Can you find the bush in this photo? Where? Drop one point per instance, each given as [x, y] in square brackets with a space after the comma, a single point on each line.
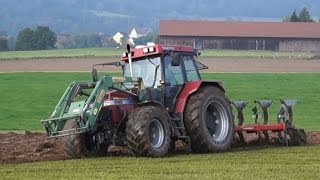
[4, 43]
[40, 39]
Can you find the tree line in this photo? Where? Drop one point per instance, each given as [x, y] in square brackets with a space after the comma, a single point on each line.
[303, 16]
[43, 38]
[88, 40]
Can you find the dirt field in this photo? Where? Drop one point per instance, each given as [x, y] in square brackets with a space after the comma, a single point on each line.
[30, 147]
[214, 64]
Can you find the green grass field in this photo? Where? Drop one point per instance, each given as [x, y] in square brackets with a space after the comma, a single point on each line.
[29, 97]
[264, 163]
[62, 53]
[113, 52]
[257, 54]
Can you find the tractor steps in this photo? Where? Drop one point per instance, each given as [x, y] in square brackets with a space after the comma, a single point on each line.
[178, 127]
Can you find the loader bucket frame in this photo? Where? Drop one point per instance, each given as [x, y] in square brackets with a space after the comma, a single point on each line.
[86, 112]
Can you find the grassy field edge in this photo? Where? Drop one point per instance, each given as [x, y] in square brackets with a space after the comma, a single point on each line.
[254, 163]
[116, 53]
[29, 97]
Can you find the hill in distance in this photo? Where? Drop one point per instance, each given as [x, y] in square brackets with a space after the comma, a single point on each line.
[110, 16]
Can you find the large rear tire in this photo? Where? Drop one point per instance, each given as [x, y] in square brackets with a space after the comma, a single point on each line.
[209, 121]
[82, 145]
[148, 132]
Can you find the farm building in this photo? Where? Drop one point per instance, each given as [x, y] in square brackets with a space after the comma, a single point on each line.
[276, 36]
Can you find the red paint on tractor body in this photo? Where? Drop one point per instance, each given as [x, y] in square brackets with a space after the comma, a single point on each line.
[117, 111]
[188, 89]
[158, 49]
[255, 128]
[113, 94]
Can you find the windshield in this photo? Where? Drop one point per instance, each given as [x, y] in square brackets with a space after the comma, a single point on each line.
[145, 68]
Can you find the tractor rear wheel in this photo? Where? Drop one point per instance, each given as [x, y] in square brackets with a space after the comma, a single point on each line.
[148, 132]
[82, 145]
[209, 121]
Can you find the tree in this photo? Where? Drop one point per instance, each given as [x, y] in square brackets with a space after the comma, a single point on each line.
[44, 38]
[4, 43]
[294, 17]
[304, 15]
[25, 40]
[108, 41]
[150, 37]
[94, 40]
[286, 19]
[41, 38]
[80, 41]
[11, 42]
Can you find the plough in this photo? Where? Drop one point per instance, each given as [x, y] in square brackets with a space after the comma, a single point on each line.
[287, 134]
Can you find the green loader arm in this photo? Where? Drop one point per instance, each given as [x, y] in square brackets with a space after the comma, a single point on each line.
[84, 112]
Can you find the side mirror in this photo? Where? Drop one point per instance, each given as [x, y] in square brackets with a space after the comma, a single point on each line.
[176, 59]
[196, 52]
[94, 74]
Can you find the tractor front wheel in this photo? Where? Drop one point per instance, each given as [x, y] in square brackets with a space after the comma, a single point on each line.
[148, 132]
[82, 145]
[209, 120]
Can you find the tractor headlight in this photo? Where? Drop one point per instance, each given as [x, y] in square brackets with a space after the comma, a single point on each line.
[151, 49]
[145, 50]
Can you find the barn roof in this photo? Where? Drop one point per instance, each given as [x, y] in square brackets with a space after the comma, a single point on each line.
[239, 29]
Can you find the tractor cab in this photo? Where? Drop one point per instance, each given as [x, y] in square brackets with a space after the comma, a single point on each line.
[164, 70]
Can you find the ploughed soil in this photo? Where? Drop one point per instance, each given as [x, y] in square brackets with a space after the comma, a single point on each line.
[33, 147]
[214, 64]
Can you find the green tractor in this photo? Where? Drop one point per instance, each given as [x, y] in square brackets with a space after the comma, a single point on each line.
[160, 99]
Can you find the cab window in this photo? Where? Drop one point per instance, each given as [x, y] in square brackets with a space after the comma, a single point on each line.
[173, 74]
[191, 69]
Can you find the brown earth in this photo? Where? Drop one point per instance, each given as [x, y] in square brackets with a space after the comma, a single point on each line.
[214, 64]
[31, 147]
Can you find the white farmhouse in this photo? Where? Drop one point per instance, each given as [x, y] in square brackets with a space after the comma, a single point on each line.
[134, 35]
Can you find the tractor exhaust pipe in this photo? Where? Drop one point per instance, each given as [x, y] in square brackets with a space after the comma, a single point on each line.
[130, 59]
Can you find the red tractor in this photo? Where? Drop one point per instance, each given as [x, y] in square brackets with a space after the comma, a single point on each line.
[160, 99]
